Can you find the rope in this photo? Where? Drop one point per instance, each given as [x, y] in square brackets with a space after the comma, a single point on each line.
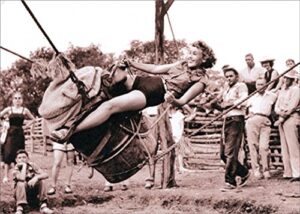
[239, 103]
[79, 84]
[125, 145]
[40, 27]
[173, 34]
[140, 135]
[14, 53]
[151, 127]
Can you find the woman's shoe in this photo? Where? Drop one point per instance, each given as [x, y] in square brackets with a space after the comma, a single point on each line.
[124, 187]
[51, 191]
[68, 189]
[5, 180]
[108, 188]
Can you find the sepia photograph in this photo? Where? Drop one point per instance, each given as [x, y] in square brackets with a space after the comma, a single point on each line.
[153, 106]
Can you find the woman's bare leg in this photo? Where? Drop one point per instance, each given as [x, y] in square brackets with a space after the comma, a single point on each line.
[132, 101]
[70, 166]
[57, 160]
[5, 177]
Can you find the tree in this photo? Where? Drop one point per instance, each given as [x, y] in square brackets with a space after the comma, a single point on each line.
[145, 52]
[19, 78]
[89, 56]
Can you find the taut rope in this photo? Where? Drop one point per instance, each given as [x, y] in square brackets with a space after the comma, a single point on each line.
[40, 27]
[14, 53]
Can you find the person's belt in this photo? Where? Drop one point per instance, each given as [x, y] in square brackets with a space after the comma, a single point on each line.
[260, 114]
[235, 116]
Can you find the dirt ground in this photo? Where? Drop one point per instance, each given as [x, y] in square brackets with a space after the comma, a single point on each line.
[198, 192]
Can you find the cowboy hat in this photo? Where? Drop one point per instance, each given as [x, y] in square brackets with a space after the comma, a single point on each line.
[267, 59]
[291, 74]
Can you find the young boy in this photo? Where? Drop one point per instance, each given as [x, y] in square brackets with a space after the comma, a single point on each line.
[29, 183]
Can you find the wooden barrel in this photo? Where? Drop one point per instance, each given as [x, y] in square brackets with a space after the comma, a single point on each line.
[113, 150]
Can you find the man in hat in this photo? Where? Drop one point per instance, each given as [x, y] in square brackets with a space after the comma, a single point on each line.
[270, 73]
[286, 107]
[250, 74]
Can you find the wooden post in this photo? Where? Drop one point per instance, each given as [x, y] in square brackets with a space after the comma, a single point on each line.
[164, 127]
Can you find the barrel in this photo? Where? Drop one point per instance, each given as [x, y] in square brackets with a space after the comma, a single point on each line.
[114, 148]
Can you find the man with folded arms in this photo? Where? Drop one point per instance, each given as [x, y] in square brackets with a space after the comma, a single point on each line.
[286, 107]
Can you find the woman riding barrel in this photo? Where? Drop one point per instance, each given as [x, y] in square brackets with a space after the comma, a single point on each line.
[177, 83]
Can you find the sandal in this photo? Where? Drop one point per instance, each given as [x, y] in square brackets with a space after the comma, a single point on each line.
[68, 189]
[51, 191]
[19, 210]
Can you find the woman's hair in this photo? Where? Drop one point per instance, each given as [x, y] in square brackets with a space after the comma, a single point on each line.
[118, 88]
[16, 93]
[208, 54]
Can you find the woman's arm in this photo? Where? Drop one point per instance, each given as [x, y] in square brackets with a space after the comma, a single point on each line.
[30, 116]
[190, 94]
[4, 112]
[153, 69]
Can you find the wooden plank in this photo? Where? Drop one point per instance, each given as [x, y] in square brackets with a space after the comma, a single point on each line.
[205, 130]
[275, 146]
[205, 158]
[275, 155]
[207, 136]
[204, 141]
[205, 146]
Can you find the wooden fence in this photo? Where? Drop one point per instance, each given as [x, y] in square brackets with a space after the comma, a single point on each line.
[35, 141]
[206, 144]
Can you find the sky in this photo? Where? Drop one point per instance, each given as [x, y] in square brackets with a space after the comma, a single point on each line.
[231, 28]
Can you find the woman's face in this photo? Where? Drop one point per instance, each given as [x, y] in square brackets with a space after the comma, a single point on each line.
[195, 57]
[17, 99]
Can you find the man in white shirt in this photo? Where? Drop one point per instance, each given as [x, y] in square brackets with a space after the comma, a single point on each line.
[286, 105]
[251, 73]
[258, 129]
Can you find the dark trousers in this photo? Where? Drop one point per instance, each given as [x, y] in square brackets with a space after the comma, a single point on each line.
[30, 195]
[233, 134]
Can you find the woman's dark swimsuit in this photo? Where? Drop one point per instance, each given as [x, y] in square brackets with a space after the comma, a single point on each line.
[152, 87]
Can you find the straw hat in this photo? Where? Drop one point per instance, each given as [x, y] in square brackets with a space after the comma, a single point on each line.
[291, 74]
[267, 59]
